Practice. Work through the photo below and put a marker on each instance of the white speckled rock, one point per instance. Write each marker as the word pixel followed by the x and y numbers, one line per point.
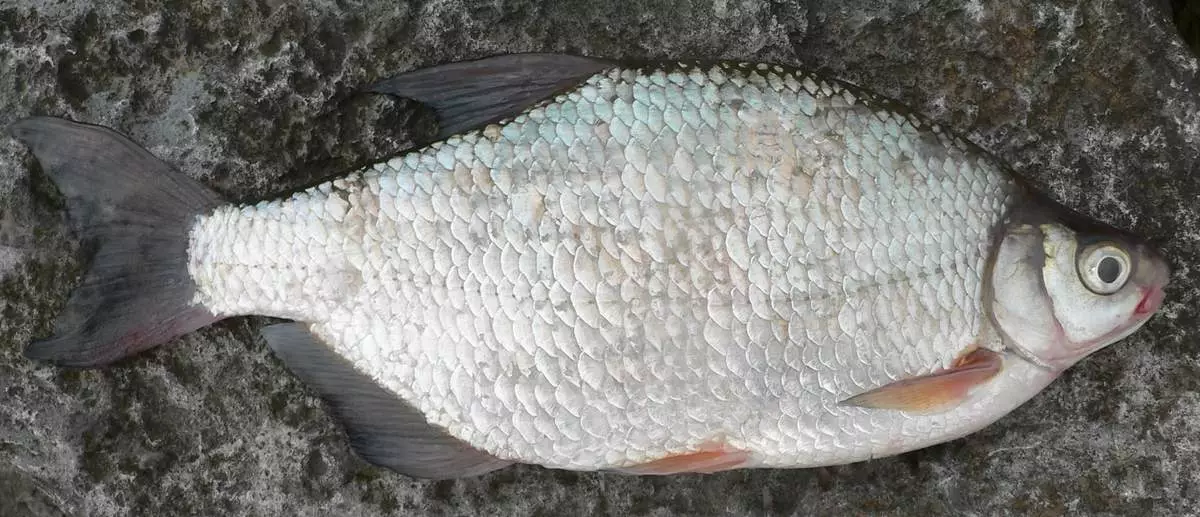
pixel 653 261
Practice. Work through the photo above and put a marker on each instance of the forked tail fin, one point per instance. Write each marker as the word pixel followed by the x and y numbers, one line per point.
pixel 137 211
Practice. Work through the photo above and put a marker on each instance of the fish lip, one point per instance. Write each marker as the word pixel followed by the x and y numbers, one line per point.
pixel 1151 300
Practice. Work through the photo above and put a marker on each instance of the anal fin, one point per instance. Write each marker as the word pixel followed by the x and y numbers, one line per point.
pixel 936 392
pixel 383 429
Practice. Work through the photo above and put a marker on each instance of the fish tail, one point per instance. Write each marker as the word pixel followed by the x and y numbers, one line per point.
pixel 134 214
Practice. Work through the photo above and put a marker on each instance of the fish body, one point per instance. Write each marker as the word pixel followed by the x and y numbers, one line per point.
pixel 672 267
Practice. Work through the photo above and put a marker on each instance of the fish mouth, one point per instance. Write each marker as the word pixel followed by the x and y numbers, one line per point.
pixel 1151 300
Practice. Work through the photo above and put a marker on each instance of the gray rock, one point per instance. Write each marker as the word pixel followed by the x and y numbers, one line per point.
pixel 1095 101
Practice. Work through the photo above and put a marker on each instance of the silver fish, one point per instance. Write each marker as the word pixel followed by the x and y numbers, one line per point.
pixel 652 269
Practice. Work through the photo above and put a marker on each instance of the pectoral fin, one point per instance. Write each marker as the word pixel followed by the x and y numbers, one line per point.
pixel 935 392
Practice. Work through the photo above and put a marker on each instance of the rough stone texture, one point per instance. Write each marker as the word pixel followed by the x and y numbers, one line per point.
pixel 1095 100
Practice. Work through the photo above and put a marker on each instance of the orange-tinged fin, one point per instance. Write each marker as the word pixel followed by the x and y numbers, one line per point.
pixel 935 392
pixel 709 459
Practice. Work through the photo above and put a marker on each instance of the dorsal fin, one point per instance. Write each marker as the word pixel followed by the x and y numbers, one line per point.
pixel 469 94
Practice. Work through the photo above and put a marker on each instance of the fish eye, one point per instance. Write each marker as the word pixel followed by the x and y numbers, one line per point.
pixel 1104 268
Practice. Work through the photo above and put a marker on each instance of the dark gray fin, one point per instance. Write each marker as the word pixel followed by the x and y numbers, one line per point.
pixel 135 213
pixel 383 429
pixel 470 94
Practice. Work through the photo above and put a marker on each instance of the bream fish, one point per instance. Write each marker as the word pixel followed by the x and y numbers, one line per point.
pixel 648 268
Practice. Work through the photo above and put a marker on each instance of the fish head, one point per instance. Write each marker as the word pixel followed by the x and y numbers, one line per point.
pixel 1059 293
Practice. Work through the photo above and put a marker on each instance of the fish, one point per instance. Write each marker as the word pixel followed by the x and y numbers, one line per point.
pixel 649 268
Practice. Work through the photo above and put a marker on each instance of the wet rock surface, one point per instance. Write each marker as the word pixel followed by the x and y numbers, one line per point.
pixel 1095 101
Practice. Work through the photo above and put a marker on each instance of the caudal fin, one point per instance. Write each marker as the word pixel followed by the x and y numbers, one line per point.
pixel 137 212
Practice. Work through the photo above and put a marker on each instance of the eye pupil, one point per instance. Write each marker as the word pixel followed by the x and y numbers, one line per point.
pixel 1109 270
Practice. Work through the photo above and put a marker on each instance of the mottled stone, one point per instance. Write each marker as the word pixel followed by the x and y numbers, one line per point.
pixel 1095 101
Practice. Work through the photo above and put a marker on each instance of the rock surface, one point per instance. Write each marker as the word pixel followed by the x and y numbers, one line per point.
pixel 1095 101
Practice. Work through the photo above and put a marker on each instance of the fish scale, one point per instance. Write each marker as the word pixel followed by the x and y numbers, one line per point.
pixel 646 262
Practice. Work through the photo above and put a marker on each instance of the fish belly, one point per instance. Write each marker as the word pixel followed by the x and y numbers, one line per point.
pixel 651 261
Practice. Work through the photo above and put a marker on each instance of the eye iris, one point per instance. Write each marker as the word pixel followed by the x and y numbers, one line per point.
pixel 1109 270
